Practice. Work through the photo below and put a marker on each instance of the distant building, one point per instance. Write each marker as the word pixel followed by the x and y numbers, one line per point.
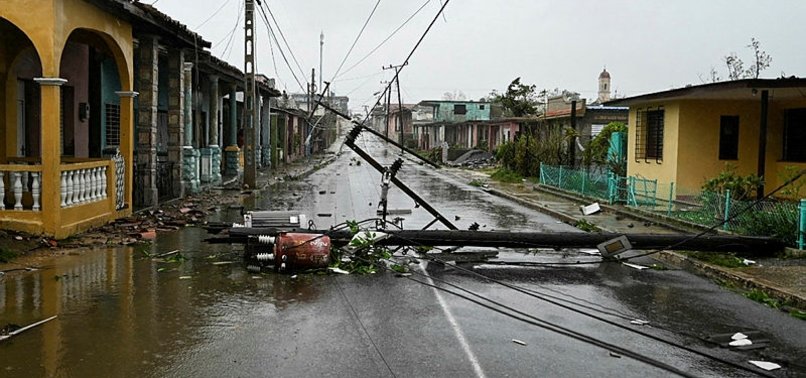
pixel 588 120
pixel 604 87
pixel 449 121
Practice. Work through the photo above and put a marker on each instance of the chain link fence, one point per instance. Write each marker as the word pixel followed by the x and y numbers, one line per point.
pixel 785 220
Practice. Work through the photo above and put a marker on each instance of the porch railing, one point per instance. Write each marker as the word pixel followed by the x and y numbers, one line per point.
pixel 83 183
pixel 15 181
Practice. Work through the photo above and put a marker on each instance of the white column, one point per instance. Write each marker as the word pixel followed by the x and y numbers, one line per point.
pixel 63 188
pixel 69 199
pixel 17 191
pixel 95 182
pixel 2 192
pixel 82 183
pixel 104 193
pixel 35 190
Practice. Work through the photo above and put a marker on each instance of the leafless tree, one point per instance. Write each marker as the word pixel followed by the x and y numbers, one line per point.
pixel 762 60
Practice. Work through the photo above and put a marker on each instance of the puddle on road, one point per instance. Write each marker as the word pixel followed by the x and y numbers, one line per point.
pixel 121 313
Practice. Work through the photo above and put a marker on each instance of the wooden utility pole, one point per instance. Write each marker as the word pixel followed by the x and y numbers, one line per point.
pixel 386 105
pixel 250 97
pixel 399 99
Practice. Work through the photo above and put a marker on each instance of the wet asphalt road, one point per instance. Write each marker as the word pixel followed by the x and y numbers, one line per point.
pixel 122 314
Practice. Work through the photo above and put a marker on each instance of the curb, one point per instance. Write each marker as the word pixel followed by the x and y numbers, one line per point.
pixel 741 279
pixel 711 271
pixel 535 206
pixel 638 215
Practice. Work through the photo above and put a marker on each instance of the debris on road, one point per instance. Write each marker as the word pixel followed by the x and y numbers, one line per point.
pixel 740 342
pixel 166 254
pixel 519 342
pixel 636 266
pixel 738 336
pixel 766 365
pixel 338 270
pixel 590 209
pixel 17 331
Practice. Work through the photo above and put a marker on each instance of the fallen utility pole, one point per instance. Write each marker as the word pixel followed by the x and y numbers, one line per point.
pixel 380 135
pixel 350 142
pixel 747 245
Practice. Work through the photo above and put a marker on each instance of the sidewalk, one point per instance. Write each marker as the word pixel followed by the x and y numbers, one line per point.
pixel 783 279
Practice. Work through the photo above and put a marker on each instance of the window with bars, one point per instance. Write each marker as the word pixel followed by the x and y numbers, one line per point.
pixel 795 135
pixel 112 117
pixel 649 134
pixel 728 137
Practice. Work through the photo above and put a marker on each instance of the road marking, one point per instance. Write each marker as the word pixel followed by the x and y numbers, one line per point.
pixel 456 330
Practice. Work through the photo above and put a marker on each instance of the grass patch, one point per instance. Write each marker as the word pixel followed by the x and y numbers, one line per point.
pixel 476 182
pixel 586 226
pixel 797 314
pixel 762 297
pixel 719 259
pixel 507 176
pixel 6 255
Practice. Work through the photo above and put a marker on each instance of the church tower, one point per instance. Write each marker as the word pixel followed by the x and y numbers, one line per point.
pixel 604 86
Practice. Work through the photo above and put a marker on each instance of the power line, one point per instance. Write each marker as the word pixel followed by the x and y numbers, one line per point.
pixel 553 327
pixel 228 47
pixel 387 38
pixel 516 314
pixel 274 65
pixel 360 32
pixel 282 36
pixel 719 224
pixel 213 15
pixel 272 36
pixel 405 62
pixel 545 297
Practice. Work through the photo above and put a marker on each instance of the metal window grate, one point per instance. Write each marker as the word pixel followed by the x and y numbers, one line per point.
pixel 112 118
pixel 654 134
pixel 640 134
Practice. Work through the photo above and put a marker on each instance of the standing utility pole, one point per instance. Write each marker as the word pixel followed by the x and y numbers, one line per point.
pixel 387 105
pixel 250 97
pixel 321 47
pixel 399 99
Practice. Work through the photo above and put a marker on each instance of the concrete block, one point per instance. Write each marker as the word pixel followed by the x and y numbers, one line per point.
pixel 794 253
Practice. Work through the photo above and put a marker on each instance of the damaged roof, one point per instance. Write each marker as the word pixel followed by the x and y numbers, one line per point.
pixel 147 19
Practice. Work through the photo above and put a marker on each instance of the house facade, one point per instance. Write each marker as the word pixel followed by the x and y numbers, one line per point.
pixel 107 106
pixel 66 116
pixel 687 135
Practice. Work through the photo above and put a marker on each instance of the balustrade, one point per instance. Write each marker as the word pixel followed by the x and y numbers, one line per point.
pixel 15 181
pixel 83 185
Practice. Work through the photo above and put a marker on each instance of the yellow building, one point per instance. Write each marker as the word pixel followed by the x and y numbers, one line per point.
pixel 66 107
pixel 686 136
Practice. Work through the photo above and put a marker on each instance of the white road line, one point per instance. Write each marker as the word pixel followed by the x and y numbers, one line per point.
pixel 455 325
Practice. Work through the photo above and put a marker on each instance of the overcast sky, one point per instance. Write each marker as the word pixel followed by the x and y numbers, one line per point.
pixel 481 45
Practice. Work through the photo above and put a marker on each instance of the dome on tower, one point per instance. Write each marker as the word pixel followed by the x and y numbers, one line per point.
pixel 604 74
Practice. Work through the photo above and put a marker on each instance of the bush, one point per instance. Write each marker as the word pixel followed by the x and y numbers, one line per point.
pixel 741 187
pixel 596 152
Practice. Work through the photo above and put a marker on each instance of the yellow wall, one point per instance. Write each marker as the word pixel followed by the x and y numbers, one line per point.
pixel 49 24
pixel 776 166
pixel 666 170
pixel 699 140
pixel 691 142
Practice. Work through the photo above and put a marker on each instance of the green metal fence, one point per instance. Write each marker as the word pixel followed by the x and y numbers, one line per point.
pixel 783 219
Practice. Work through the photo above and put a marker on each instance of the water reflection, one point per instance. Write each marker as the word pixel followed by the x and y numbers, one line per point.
pixel 121 313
